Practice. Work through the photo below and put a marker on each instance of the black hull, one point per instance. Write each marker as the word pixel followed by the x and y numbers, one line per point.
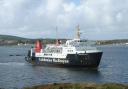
pixel 91 60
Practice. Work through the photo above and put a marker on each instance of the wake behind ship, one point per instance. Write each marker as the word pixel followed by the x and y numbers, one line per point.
pixel 74 53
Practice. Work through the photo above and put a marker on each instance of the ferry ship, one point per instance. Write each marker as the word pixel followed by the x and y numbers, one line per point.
pixel 74 53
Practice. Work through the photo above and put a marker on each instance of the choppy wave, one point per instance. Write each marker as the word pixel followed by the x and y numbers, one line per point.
pixel 13 64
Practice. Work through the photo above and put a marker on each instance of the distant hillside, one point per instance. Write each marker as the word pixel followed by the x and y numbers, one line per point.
pixel 14 40
pixel 8 37
pixel 116 41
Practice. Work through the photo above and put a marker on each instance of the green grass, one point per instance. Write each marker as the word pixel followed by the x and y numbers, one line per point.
pixel 80 86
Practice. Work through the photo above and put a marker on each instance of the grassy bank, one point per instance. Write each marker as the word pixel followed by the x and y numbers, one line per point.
pixel 80 86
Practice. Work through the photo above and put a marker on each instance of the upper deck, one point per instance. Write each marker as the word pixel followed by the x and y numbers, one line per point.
pixel 73 45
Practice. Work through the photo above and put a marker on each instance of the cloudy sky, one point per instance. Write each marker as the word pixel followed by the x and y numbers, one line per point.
pixel 98 19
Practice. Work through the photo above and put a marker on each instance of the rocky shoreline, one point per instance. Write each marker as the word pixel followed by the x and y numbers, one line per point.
pixel 79 86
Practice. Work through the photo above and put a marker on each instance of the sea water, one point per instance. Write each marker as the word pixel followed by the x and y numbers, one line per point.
pixel 15 72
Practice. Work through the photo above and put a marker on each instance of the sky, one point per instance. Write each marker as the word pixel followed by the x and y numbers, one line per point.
pixel 98 19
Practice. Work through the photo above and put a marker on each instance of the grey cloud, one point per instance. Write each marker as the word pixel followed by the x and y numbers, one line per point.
pixel 99 19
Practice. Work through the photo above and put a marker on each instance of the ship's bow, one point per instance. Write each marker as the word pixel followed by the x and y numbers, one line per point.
pixel 94 59
pixel 90 59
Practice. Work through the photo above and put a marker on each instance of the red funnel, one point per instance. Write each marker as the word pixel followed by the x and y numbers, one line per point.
pixel 38 46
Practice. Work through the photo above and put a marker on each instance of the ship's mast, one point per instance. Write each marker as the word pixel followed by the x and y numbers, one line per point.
pixel 78 32
pixel 57 41
pixel 56 34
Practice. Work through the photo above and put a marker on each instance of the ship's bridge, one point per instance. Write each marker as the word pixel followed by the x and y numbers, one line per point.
pixel 81 45
pixel 78 42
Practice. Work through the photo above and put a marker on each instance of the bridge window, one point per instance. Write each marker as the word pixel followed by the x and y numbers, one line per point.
pixel 70 50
